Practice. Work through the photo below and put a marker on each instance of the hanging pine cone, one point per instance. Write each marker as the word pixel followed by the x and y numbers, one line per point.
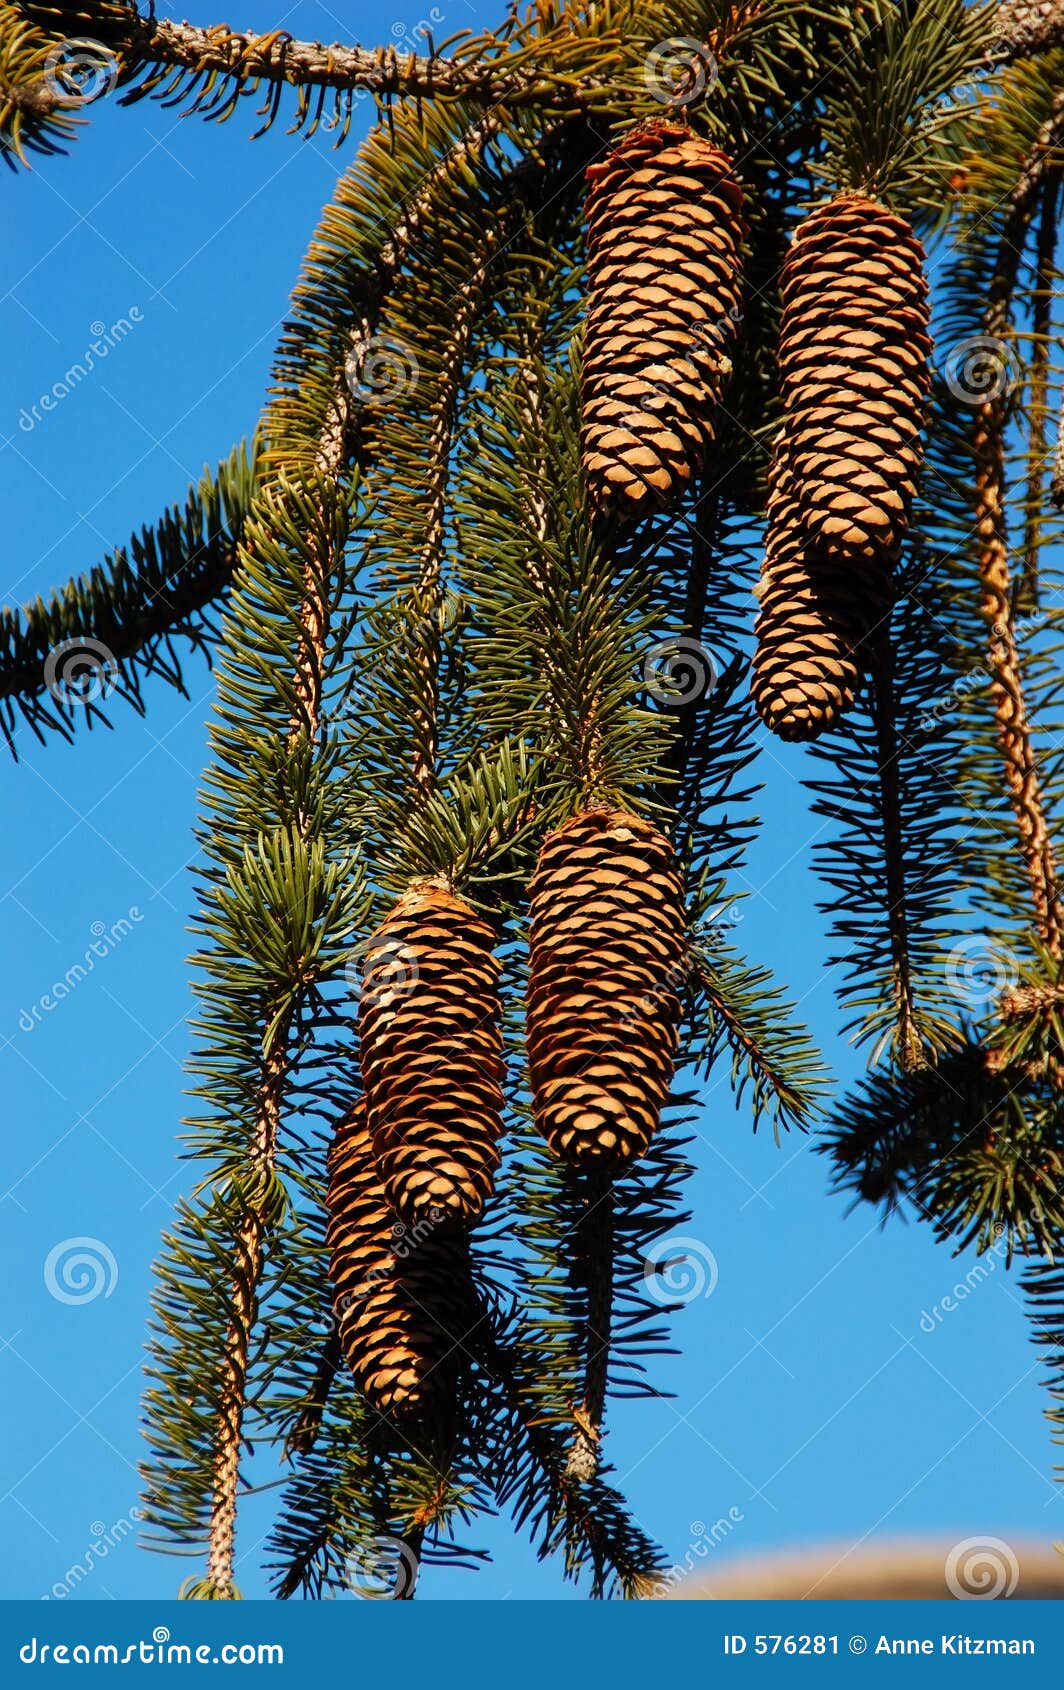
pixel 431 1053
pixel 607 960
pixel 664 227
pixel 853 360
pixel 815 628
pixel 395 1293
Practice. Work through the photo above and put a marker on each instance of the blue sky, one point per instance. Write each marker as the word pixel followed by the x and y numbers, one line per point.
pixel 811 1404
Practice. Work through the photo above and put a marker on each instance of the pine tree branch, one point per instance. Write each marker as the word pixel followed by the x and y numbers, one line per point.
pixel 569 67
pixel 134 605
pixel 907 1043
pixel 1041 331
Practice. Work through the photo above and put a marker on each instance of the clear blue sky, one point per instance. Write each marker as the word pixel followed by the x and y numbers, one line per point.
pixel 809 1401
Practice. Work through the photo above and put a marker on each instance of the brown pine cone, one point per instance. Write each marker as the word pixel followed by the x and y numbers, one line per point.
pixel 431 1054
pixel 607 961
pixel 854 376
pixel 815 628
pixel 664 227
pixel 396 1292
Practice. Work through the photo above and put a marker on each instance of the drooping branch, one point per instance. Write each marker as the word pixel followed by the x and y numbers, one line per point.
pixel 129 609
pixel 569 67
pixel 991 422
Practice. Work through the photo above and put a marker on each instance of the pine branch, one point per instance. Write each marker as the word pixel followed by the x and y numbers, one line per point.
pixel 1043 1287
pixel 977 1147
pixel 114 628
pixel 577 63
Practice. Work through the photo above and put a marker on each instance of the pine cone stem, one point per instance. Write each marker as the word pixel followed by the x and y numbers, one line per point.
pixel 907 1042
pixel 592 1269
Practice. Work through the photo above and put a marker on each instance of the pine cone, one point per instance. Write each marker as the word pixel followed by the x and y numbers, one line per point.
pixel 395 1293
pixel 607 956
pixel 814 629
pixel 431 1054
pixel 663 232
pixel 853 360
